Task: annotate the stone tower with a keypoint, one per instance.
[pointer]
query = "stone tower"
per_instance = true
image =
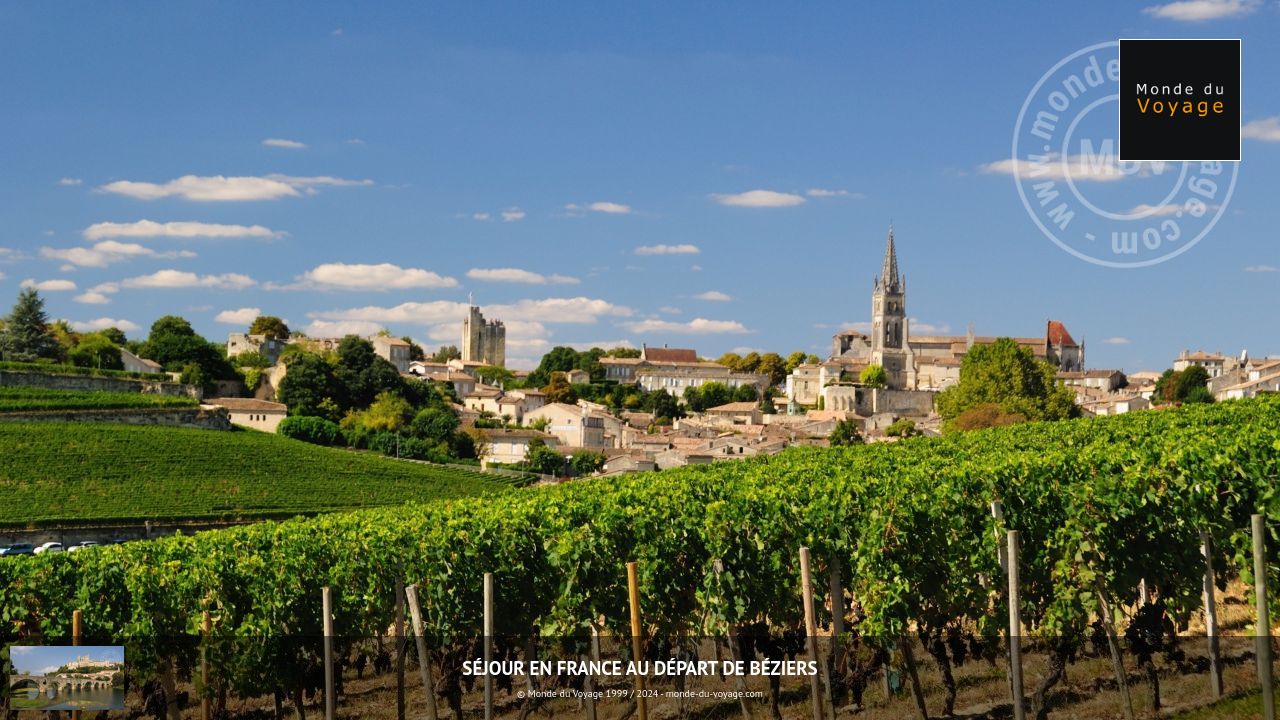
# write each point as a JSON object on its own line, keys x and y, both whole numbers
{"x": 483, "y": 340}
{"x": 889, "y": 347}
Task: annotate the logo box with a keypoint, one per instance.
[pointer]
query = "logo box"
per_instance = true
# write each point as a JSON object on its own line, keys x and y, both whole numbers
{"x": 1179, "y": 100}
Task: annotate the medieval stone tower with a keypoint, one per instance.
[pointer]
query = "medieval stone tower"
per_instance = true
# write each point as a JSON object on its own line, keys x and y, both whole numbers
{"x": 483, "y": 340}
{"x": 889, "y": 347}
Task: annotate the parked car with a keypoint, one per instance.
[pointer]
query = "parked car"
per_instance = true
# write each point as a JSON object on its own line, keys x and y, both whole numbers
{"x": 50, "y": 547}
{"x": 18, "y": 549}
{"x": 82, "y": 545}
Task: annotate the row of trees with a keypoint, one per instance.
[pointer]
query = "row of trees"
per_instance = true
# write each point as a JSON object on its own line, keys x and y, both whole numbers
{"x": 770, "y": 363}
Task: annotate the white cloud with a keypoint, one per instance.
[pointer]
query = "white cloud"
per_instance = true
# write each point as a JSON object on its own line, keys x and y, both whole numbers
{"x": 1267, "y": 129}
{"x": 219, "y": 188}
{"x": 1262, "y": 269}
{"x": 283, "y": 143}
{"x": 1080, "y": 168}
{"x": 49, "y": 285}
{"x": 9, "y": 255}
{"x": 668, "y": 309}
{"x": 150, "y": 228}
{"x": 825, "y": 193}
{"x": 1116, "y": 341}
{"x": 243, "y": 316}
{"x": 70, "y": 181}
{"x": 92, "y": 297}
{"x": 758, "y": 199}
{"x": 107, "y": 252}
{"x": 512, "y": 214}
{"x": 603, "y": 344}
{"x": 354, "y": 141}
{"x": 697, "y": 326}
{"x": 481, "y": 216}
{"x": 2, "y": 276}
{"x": 341, "y": 328}
{"x": 179, "y": 279}
{"x": 1197, "y": 10}
{"x": 575, "y": 310}
{"x": 667, "y": 250}
{"x": 713, "y": 296}
{"x": 610, "y": 207}
{"x": 103, "y": 323}
{"x": 384, "y": 276}
{"x": 516, "y": 275}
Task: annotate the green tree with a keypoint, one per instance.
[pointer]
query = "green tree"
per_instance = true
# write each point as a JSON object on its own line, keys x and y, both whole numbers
{"x": 709, "y": 395}
{"x": 845, "y": 433}
{"x": 542, "y": 459}
{"x": 115, "y": 335}
{"x": 434, "y": 423}
{"x": 175, "y": 345}
{"x": 251, "y": 359}
{"x": 558, "y": 359}
{"x": 873, "y": 376}
{"x": 902, "y": 427}
{"x": 1192, "y": 386}
{"x": 95, "y": 350}
{"x": 493, "y": 375}
{"x": 416, "y": 353}
{"x": 445, "y": 354}
{"x": 774, "y": 366}
{"x": 311, "y": 388}
{"x": 795, "y": 360}
{"x": 27, "y": 336}
{"x": 586, "y": 462}
{"x": 558, "y": 390}
{"x": 388, "y": 413}
{"x": 745, "y": 393}
{"x": 364, "y": 374}
{"x": 663, "y": 405}
{"x": 269, "y": 325}
{"x": 1010, "y": 377}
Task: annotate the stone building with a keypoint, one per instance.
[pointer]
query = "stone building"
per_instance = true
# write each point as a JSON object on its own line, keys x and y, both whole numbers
{"x": 483, "y": 340}
{"x": 911, "y": 362}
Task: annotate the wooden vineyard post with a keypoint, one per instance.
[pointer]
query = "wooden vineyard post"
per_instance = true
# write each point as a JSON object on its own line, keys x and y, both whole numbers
{"x": 326, "y": 604}
{"x": 591, "y": 681}
{"x": 811, "y": 630}
{"x": 637, "y": 640}
{"x": 1264, "y": 618}
{"x": 739, "y": 683}
{"x": 1015, "y": 627}
{"x": 836, "y": 596}
{"x": 488, "y": 645}
{"x": 909, "y": 659}
{"x": 1211, "y": 616}
{"x": 206, "y": 628}
{"x": 424, "y": 667}
{"x": 77, "y": 636}
{"x": 400, "y": 648}
{"x": 1114, "y": 645}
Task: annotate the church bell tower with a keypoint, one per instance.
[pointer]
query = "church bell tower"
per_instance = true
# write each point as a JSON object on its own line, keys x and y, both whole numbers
{"x": 889, "y": 348}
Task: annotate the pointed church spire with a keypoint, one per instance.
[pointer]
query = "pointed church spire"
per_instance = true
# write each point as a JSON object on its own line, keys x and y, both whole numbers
{"x": 889, "y": 278}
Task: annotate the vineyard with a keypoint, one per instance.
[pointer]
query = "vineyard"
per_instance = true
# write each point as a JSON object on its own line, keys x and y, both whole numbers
{"x": 76, "y": 370}
{"x": 66, "y": 474}
{"x": 1102, "y": 506}
{"x": 25, "y": 399}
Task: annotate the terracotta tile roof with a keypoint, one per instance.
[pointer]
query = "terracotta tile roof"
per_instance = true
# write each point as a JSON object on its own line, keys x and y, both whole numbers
{"x": 734, "y": 407}
{"x": 1058, "y": 334}
{"x": 663, "y": 354}
{"x": 247, "y": 404}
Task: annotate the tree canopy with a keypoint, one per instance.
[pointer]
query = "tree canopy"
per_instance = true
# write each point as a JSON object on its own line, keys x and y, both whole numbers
{"x": 269, "y": 325}
{"x": 27, "y": 335}
{"x": 1010, "y": 377}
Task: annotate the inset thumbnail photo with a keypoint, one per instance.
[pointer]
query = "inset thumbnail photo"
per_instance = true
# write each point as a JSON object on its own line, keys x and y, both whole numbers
{"x": 64, "y": 677}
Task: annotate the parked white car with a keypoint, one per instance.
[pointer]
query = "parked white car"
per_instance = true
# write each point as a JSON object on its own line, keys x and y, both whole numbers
{"x": 83, "y": 545}
{"x": 49, "y": 547}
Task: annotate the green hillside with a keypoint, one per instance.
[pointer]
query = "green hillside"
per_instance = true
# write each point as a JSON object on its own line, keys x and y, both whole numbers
{"x": 24, "y": 399}
{"x": 53, "y": 473}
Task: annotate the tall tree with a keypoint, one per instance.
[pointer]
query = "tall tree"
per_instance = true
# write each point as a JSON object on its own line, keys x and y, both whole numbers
{"x": 558, "y": 390}
{"x": 364, "y": 373}
{"x": 1010, "y": 377}
{"x": 95, "y": 350}
{"x": 311, "y": 388}
{"x": 27, "y": 336}
{"x": 445, "y": 354}
{"x": 269, "y": 325}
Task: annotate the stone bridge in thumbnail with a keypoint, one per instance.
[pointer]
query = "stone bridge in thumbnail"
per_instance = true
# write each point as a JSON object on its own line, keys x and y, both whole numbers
{"x": 63, "y": 681}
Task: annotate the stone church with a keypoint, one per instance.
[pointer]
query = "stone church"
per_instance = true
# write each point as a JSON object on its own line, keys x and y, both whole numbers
{"x": 913, "y": 362}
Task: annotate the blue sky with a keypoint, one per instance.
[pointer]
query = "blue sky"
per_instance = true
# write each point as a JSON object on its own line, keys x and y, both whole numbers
{"x": 583, "y": 170}
{"x": 42, "y": 659}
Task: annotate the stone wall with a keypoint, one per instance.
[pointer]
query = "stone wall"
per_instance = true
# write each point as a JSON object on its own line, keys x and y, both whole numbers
{"x": 902, "y": 402}
{"x": 204, "y": 417}
{"x": 89, "y": 383}
{"x": 105, "y": 532}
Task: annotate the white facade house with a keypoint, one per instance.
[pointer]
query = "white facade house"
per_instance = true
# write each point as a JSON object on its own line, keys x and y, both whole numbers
{"x": 257, "y": 414}
{"x": 133, "y": 363}
{"x": 572, "y": 425}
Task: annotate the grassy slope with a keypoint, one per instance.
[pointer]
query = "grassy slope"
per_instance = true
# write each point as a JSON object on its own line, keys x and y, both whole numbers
{"x": 24, "y": 399}
{"x": 69, "y": 472}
